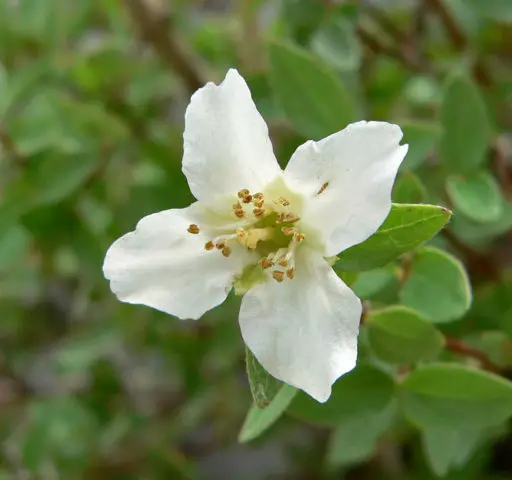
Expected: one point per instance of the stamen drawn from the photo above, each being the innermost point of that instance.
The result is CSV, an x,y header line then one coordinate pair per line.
x,y
193,228
291,218
239,212
266,263
220,245
290,273
258,203
258,212
243,193
283,201
299,237
247,199
288,231
287,218
209,245
283,262
278,276
242,236
322,188
226,251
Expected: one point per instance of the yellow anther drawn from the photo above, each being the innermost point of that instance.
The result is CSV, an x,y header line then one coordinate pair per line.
x,y
226,251
258,196
241,235
258,212
219,245
299,237
258,203
288,231
193,228
266,263
236,206
209,245
283,201
290,218
243,193
322,188
278,276
283,262
247,199
290,273
239,212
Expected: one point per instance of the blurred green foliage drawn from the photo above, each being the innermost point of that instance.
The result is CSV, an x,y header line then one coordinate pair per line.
x,y
92,97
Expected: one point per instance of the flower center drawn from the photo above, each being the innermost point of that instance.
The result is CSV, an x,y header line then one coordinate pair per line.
x,y
270,228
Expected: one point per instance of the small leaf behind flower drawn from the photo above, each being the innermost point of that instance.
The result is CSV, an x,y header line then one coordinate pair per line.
x,y
258,420
264,387
406,227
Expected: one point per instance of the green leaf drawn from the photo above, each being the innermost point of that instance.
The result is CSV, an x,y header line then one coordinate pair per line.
x,y
477,196
408,189
465,123
437,287
446,395
372,282
258,420
356,438
406,227
400,335
446,448
313,98
365,389
499,10
422,139
337,45
264,387
479,234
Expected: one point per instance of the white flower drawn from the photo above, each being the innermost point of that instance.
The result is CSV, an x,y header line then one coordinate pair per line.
x,y
257,226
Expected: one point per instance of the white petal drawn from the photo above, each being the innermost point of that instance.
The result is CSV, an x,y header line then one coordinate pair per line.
x,y
226,142
303,331
357,166
163,266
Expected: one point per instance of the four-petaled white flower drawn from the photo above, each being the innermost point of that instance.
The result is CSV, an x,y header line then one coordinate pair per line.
x,y
269,230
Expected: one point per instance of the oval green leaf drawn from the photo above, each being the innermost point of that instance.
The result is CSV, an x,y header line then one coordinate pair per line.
x,y
476,196
422,138
408,189
465,124
400,335
337,45
406,227
437,287
455,396
313,98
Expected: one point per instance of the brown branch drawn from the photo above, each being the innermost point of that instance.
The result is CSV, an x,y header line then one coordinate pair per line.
x,y
387,25
160,35
461,348
459,40
381,49
500,168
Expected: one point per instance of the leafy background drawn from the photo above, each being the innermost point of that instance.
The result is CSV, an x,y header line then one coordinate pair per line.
x,y
92,96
